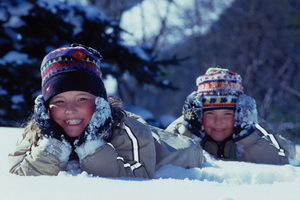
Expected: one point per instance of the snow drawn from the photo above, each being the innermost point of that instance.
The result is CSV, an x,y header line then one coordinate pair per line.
x,y
151,13
88,148
246,112
217,180
110,84
62,150
20,9
100,116
71,17
11,56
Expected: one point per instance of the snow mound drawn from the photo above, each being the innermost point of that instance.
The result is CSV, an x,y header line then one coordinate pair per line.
x,y
216,180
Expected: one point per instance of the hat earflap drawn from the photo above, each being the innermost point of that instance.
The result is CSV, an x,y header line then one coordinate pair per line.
x,y
101,120
245,116
192,114
100,124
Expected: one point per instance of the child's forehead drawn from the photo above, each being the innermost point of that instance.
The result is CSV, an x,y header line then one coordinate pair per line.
x,y
220,110
73,93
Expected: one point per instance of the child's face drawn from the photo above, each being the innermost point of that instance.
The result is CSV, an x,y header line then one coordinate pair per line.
x,y
219,123
72,111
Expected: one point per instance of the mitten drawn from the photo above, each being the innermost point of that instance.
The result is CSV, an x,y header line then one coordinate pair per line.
x,y
48,128
53,140
245,117
97,131
192,114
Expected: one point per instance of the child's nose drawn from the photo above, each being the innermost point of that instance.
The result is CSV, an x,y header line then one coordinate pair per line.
x,y
70,108
218,120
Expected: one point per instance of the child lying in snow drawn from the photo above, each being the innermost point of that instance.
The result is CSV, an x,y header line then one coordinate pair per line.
x,y
76,126
224,120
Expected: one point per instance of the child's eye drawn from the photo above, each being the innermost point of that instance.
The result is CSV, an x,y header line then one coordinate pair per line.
x,y
208,113
58,102
82,99
229,114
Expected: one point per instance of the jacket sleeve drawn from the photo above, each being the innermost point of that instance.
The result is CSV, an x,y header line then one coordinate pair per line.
x,y
257,149
178,127
49,157
130,153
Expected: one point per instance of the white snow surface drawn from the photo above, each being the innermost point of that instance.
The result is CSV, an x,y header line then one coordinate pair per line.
x,y
216,180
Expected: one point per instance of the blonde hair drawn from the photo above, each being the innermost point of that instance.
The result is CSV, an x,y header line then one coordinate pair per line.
x,y
32,132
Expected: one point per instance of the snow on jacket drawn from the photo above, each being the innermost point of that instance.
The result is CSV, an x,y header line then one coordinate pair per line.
x,y
258,147
133,151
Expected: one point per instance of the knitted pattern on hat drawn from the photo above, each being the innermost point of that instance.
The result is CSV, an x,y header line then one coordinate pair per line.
x,y
220,88
69,59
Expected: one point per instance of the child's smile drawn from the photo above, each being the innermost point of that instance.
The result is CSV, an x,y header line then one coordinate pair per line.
x,y
73,111
218,123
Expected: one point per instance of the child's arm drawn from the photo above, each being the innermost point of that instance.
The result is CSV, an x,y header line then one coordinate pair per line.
x,y
257,148
49,157
130,153
52,151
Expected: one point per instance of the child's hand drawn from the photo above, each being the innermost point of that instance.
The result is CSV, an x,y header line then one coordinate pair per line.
x,y
100,125
192,113
46,125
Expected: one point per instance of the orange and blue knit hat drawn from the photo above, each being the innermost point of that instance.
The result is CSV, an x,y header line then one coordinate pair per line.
x,y
76,67
220,88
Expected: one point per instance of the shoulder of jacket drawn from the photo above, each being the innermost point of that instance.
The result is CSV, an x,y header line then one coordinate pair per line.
x,y
135,125
134,129
251,139
131,116
174,126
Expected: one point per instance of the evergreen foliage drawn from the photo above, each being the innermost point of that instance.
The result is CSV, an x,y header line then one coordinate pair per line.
x,y
30,29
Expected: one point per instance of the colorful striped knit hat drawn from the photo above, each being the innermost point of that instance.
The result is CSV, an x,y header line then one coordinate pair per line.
x,y
220,88
72,68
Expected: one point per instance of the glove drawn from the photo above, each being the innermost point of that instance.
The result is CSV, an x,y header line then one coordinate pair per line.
x,y
245,117
48,128
100,125
192,114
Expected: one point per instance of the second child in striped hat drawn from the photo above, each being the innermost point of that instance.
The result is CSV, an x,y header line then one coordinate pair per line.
x,y
224,121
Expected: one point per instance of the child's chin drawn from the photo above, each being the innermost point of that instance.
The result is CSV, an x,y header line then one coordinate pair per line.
x,y
74,134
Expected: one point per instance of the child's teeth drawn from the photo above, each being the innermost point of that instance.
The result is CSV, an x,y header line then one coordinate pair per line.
x,y
74,121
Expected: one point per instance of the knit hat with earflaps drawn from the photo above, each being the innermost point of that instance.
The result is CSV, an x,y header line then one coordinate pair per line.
x,y
72,68
220,88
77,68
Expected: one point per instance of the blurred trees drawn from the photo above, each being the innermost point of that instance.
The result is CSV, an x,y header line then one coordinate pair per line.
x,y
258,39
30,29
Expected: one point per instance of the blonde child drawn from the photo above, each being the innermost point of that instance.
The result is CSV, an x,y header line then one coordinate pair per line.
x,y
76,127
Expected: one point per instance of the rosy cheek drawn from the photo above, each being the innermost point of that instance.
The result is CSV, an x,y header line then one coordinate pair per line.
x,y
55,112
